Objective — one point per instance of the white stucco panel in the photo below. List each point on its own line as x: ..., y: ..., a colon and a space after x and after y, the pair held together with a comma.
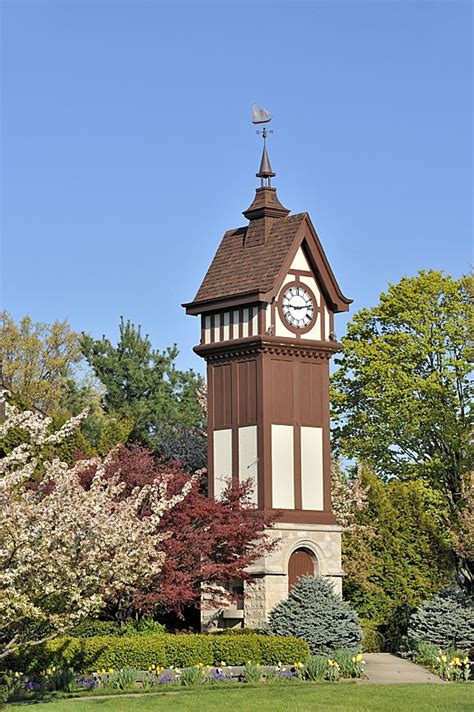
x: 300, y: 261
x: 283, y: 488
x: 312, y: 468
x: 222, y: 443
x: 248, y: 463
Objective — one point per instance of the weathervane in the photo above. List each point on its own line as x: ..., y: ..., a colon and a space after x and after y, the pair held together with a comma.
x: 262, y: 116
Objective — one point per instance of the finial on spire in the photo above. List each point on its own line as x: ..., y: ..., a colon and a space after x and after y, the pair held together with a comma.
x: 265, y: 173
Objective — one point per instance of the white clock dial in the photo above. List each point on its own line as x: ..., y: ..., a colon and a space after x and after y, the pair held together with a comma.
x: 297, y: 306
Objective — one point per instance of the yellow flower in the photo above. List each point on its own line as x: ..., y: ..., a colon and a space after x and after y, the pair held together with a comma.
x: 443, y: 658
x: 466, y: 660
x: 111, y: 669
x: 153, y: 667
x: 359, y: 657
x: 223, y: 663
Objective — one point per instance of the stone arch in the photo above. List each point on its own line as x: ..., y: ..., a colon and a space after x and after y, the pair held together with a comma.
x: 302, y: 561
x: 314, y: 550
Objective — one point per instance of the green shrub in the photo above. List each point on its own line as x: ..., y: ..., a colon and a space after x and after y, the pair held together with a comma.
x: 373, y: 641
x: 91, y: 627
x: 144, y: 626
x: 314, y: 612
x: 237, y: 649
x: 446, y: 620
x: 142, y: 651
x: 187, y: 650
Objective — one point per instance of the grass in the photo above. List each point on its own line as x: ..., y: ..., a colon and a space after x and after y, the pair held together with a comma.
x: 297, y: 697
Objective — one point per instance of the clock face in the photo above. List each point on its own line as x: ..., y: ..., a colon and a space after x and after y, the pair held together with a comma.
x: 297, y: 307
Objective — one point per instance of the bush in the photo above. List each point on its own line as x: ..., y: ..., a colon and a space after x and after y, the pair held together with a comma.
x: 446, y: 620
x: 373, y: 640
x: 90, y: 627
x: 90, y: 654
x: 315, y: 613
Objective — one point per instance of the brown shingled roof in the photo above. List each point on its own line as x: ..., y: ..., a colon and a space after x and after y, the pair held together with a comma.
x: 239, y: 269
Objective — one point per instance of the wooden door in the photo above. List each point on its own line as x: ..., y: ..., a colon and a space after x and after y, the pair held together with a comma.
x: 301, y: 564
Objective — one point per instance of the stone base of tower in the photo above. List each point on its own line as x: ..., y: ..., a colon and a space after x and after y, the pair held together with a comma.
x: 321, y: 542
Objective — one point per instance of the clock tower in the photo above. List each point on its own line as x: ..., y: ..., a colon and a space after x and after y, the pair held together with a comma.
x: 266, y: 307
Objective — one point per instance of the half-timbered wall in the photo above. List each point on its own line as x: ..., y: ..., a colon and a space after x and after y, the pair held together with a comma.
x: 288, y: 413
x: 230, y: 325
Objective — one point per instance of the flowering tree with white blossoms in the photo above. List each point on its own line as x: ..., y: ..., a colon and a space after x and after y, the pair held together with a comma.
x: 65, y: 549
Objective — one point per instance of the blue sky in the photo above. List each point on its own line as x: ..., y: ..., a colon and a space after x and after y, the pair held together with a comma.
x: 127, y: 148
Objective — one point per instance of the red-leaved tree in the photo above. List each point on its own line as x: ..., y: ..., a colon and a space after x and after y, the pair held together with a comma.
x: 208, y: 542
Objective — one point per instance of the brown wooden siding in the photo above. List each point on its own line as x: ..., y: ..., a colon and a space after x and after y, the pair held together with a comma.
x: 282, y: 391
x: 247, y: 375
x: 222, y: 396
x: 310, y: 395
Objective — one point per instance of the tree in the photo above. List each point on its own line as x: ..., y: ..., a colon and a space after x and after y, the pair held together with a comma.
x: 145, y: 386
x: 204, y: 541
x: 401, y: 394
x: 446, y: 620
x: 314, y: 612
x: 65, y: 549
x: 36, y: 359
x: 394, y: 551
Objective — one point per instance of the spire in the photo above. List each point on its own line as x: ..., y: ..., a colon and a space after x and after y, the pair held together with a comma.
x: 265, y: 208
x: 265, y: 173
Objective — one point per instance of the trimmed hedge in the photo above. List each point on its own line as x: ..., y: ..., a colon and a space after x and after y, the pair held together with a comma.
x: 373, y: 640
x: 89, y: 654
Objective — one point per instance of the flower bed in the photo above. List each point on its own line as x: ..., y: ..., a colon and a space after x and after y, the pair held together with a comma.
x: 453, y: 665
x: 316, y: 668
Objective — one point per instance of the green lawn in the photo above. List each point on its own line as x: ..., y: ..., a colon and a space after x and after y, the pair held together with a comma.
x: 285, y: 698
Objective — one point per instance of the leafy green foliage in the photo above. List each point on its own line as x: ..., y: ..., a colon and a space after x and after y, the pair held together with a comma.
x: 91, y: 627
x: 315, y: 613
x: 37, y: 359
x: 123, y: 679
x: 316, y: 668
x: 400, y: 397
x: 397, y: 556
x: 144, y: 386
x: 446, y: 620
x: 252, y: 672
x: 373, y: 640
x: 90, y: 654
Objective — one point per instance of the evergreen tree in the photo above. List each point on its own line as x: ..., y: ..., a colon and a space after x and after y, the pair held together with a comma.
x: 144, y: 386
x: 445, y: 620
x: 314, y: 612
x: 399, y: 553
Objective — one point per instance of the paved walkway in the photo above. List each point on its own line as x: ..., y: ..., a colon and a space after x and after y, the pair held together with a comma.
x: 385, y: 669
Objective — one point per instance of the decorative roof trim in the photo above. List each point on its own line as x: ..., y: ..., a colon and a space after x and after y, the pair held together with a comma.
x: 319, y: 264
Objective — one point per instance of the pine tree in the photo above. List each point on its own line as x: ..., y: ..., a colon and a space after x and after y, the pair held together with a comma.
x: 144, y: 386
x: 314, y: 612
x: 445, y: 620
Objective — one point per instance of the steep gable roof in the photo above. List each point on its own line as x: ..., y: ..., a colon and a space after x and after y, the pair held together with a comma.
x: 238, y: 269
x: 251, y: 261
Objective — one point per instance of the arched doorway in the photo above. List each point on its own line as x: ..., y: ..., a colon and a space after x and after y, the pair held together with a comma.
x: 301, y: 564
